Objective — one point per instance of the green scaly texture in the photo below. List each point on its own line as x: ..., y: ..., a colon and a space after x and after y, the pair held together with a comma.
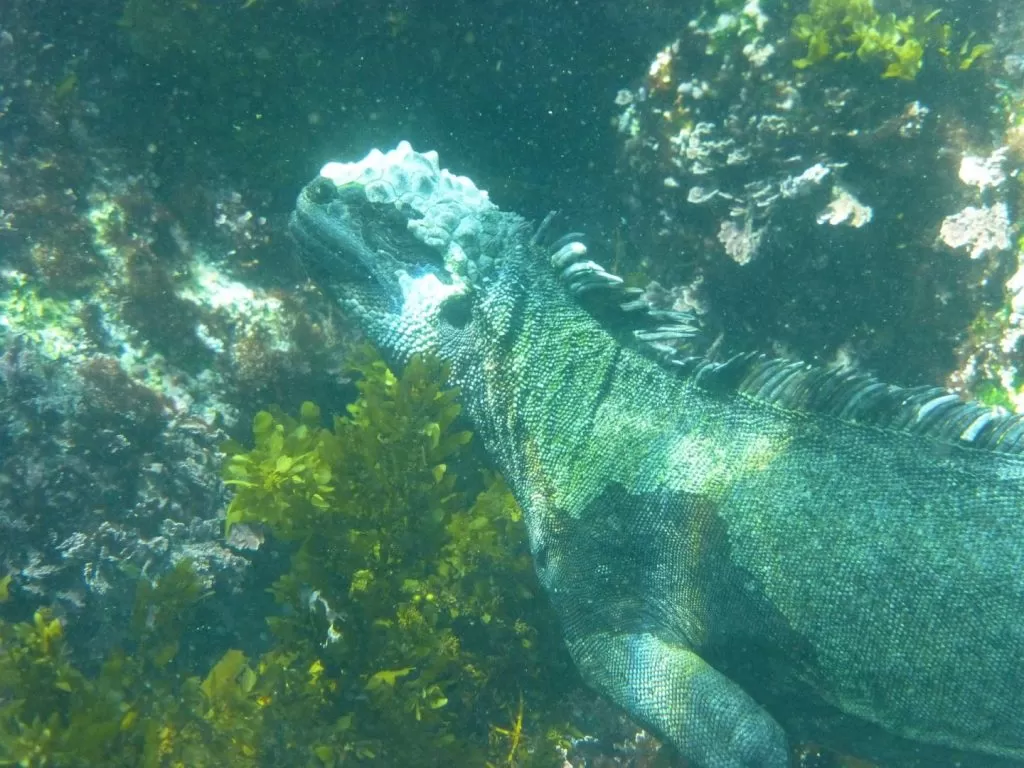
x: 737, y: 571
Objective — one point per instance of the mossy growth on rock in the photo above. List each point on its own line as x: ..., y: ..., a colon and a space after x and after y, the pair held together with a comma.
x: 837, y: 30
x: 419, y: 604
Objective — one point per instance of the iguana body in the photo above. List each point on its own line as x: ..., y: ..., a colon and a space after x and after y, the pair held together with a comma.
x: 741, y: 554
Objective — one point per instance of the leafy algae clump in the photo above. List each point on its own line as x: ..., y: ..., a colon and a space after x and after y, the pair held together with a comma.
x: 843, y: 29
x: 412, y: 630
x: 139, y: 710
x: 417, y: 611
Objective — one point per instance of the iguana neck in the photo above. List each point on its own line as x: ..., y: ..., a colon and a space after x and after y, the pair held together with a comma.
x: 557, y: 399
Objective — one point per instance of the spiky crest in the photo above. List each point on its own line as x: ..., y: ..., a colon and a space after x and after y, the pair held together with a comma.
x: 842, y: 393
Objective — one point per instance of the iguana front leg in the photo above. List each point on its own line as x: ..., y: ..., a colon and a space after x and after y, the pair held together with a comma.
x: 668, y: 687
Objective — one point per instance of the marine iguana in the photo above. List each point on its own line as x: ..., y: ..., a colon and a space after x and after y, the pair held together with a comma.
x: 743, y: 554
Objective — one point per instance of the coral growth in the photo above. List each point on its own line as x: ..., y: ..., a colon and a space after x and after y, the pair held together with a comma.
x: 129, y: 339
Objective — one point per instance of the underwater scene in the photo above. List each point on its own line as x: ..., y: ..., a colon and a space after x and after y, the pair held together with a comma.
x: 547, y: 383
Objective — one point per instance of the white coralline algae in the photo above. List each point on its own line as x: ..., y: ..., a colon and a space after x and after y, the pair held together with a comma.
x: 984, y: 172
x: 981, y: 229
x: 795, y: 186
x: 845, y: 209
x: 740, y: 242
x: 758, y: 52
x: 244, y: 308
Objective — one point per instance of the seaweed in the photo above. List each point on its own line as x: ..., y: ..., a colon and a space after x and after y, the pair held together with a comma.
x: 838, y: 30
x: 422, y: 607
x: 135, y: 711
x: 411, y: 629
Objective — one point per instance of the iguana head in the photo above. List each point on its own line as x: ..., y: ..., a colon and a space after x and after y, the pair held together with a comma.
x: 425, y: 262
x: 407, y: 248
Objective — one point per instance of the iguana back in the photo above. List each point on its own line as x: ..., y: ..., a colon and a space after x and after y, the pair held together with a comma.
x: 739, y: 552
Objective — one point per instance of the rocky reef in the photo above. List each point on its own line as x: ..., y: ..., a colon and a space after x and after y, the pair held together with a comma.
x: 830, y: 180
x: 133, y: 340
x: 837, y: 180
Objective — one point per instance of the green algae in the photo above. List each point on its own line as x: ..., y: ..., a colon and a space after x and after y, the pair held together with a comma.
x: 52, y: 325
x: 421, y: 601
x: 838, y: 30
x: 411, y: 629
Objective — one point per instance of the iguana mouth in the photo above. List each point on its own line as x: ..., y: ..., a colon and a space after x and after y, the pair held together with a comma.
x: 328, y: 232
x: 347, y: 239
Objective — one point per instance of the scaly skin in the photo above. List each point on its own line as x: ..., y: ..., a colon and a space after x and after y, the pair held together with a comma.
x: 731, y: 570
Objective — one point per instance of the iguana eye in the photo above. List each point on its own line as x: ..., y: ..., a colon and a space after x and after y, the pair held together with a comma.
x: 321, y: 191
x: 456, y: 311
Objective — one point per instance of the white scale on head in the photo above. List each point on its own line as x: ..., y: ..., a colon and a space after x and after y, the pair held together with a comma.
x: 423, y: 295
x: 448, y: 209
